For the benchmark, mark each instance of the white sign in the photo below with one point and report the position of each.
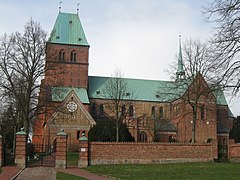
(83, 149)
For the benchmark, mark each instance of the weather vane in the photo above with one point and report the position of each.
(60, 6)
(78, 7)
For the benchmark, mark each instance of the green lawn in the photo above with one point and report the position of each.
(72, 158)
(170, 171)
(65, 176)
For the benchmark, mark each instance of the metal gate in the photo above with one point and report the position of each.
(8, 159)
(41, 155)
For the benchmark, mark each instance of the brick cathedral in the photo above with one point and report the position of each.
(72, 100)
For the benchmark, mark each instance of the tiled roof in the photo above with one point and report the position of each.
(146, 90)
(60, 93)
(221, 100)
(68, 30)
(221, 129)
(142, 90)
(165, 126)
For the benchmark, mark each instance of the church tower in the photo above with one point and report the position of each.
(67, 53)
(66, 76)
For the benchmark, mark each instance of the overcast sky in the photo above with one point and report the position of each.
(138, 36)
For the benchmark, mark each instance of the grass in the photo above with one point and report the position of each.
(65, 176)
(170, 171)
(72, 158)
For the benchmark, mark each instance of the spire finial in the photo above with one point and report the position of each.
(78, 7)
(60, 6)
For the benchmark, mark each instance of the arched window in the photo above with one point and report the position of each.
(153, 112)
(73, 57)
(123, 110)
(131, 111)
(94, 109)
(101, 110)
(61, 55)
(78, 134)
(161, 112)
(202, 110)
(143, 136)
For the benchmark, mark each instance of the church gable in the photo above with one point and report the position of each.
(200, 90)
(71, 115)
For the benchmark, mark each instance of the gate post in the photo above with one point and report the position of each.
(1, 151)
(61, 150)
(83, 151)
(21, 149)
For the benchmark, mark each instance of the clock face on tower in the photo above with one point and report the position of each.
(72, 106)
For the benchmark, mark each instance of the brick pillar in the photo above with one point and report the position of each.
(214, 149)
(1, 151)
(61, 150)
(21, 149)
(83, 152)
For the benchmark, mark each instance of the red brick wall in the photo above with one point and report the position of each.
(234, 151)
(205, 128)
(118, 153)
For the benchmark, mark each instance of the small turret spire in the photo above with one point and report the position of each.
(60, 6)
(180, 70)
(78, 7)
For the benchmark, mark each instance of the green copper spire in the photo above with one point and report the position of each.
(68, 30)
(180, 70)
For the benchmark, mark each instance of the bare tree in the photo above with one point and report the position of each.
(22, 59)
(195, 80)
(225, 15)
(118, 93)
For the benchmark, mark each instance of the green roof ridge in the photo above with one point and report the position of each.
(68, 30)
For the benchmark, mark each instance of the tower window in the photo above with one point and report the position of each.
(73, 56)
(61, 55)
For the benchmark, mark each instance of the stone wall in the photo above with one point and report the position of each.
(139, 153)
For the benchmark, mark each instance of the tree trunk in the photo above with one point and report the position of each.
(194, 124)
(117, 131)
